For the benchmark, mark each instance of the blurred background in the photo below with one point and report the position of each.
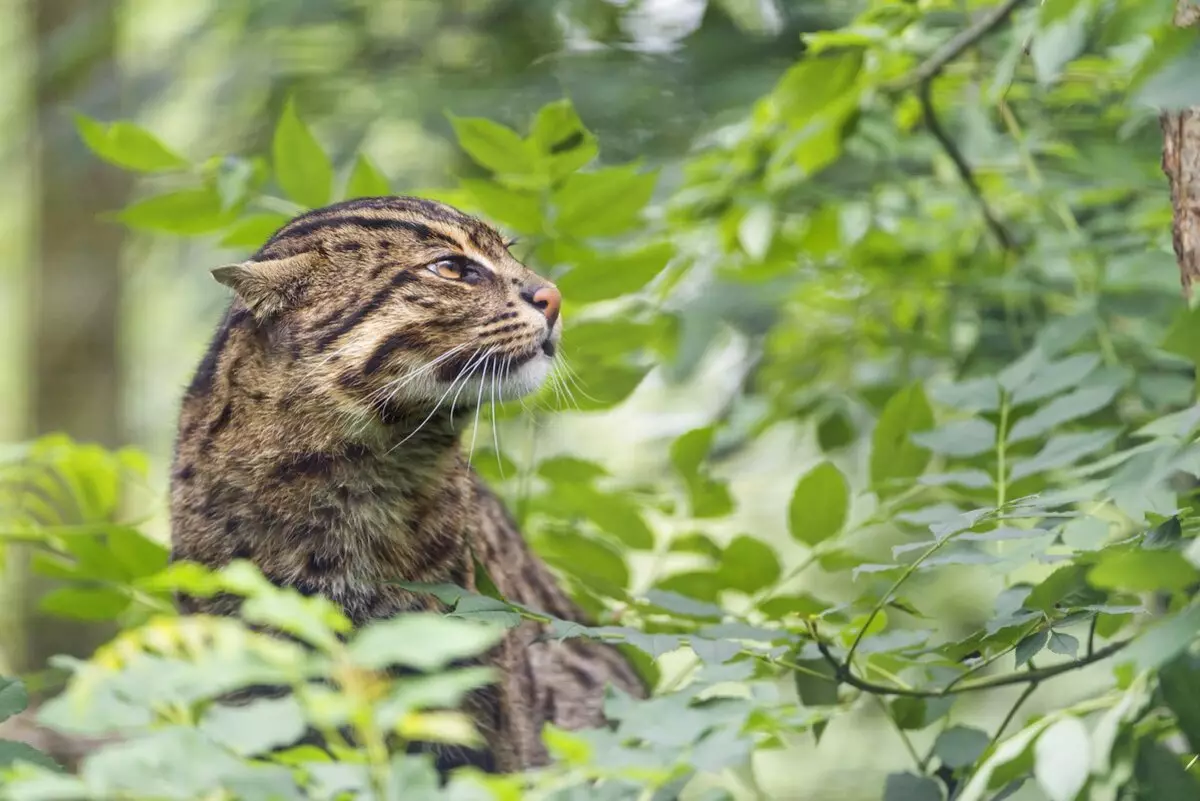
(799, 297)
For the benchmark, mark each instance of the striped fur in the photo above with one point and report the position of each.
(319, 438)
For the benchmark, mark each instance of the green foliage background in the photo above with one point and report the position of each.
(921, 469)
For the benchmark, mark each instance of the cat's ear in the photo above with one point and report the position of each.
(271, 286)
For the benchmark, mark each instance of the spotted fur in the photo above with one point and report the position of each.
(319, 438)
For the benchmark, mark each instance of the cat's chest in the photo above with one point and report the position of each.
(354, 535)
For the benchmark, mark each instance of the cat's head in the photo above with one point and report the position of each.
(399, 301)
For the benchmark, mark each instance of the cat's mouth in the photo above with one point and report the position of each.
(548, 347)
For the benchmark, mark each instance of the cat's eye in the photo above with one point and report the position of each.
(450, 269)
(456, 270)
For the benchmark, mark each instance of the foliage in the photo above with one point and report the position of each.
(952, 273)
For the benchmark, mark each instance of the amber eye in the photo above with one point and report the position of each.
(451, 269)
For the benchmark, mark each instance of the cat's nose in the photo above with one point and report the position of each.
(546, 299)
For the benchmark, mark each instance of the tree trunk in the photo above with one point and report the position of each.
(1181, 163)
(76, 283)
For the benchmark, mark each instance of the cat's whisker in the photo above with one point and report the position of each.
(475, 426)
(574, 378)
(496, 431)
(437, 406)
(454, 400)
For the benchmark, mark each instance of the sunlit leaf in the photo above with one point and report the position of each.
(366, 180)
(494, 146)
(605, 202)
(302, 167)
(422, 641)
(749, 565)
(1062, 758)
(128, 145)
(605, 275)
(185, 212)
(893, 454)
(819, 505)
(253, 230)
(517, 209)
(82, 603)
(1143, 571)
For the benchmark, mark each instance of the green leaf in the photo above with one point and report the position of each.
(302, 168)
(366, 180)
(561, 138)
(127, 145)
(1031, 646)
(893, 455)
(682, 605)
(1062, 450)
(1063, 644)
(960, 746)
(605, 202)
(1143, 571)
(959, 438)
(603, 274)
(81, 603)
(816, 690)
(585, 558)
(436, 691)
(819, 85)
(910, 787)
(313, 619)
(494, 146)
(571, 470)
(614, 513)
(1173, 87)
(186, 212)
(913, 714)
(756, 230)
(749, 565)
(423, 641)
(1058, 42)
(1166, 534)
(709, 497)
(515, 208)
(137, 554)
(14, 697)
(256, 728)
(1164, 641)
(1054, 377)
(819, 505)
(13, 752)
(1179, 683)
(1072, 406)
(1062, 759)
(696, 543)
(253, 230)
(1161, 775)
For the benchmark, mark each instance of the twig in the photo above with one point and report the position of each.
(843, 673)
(922, 78)
(954, 48)
(925, 95)
(1012, 713)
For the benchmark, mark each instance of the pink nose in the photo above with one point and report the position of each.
(546, 299)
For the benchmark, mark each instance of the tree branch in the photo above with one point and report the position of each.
(922, 78)
(843, 672)
(954, 48)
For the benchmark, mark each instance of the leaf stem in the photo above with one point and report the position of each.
(1002, 452)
